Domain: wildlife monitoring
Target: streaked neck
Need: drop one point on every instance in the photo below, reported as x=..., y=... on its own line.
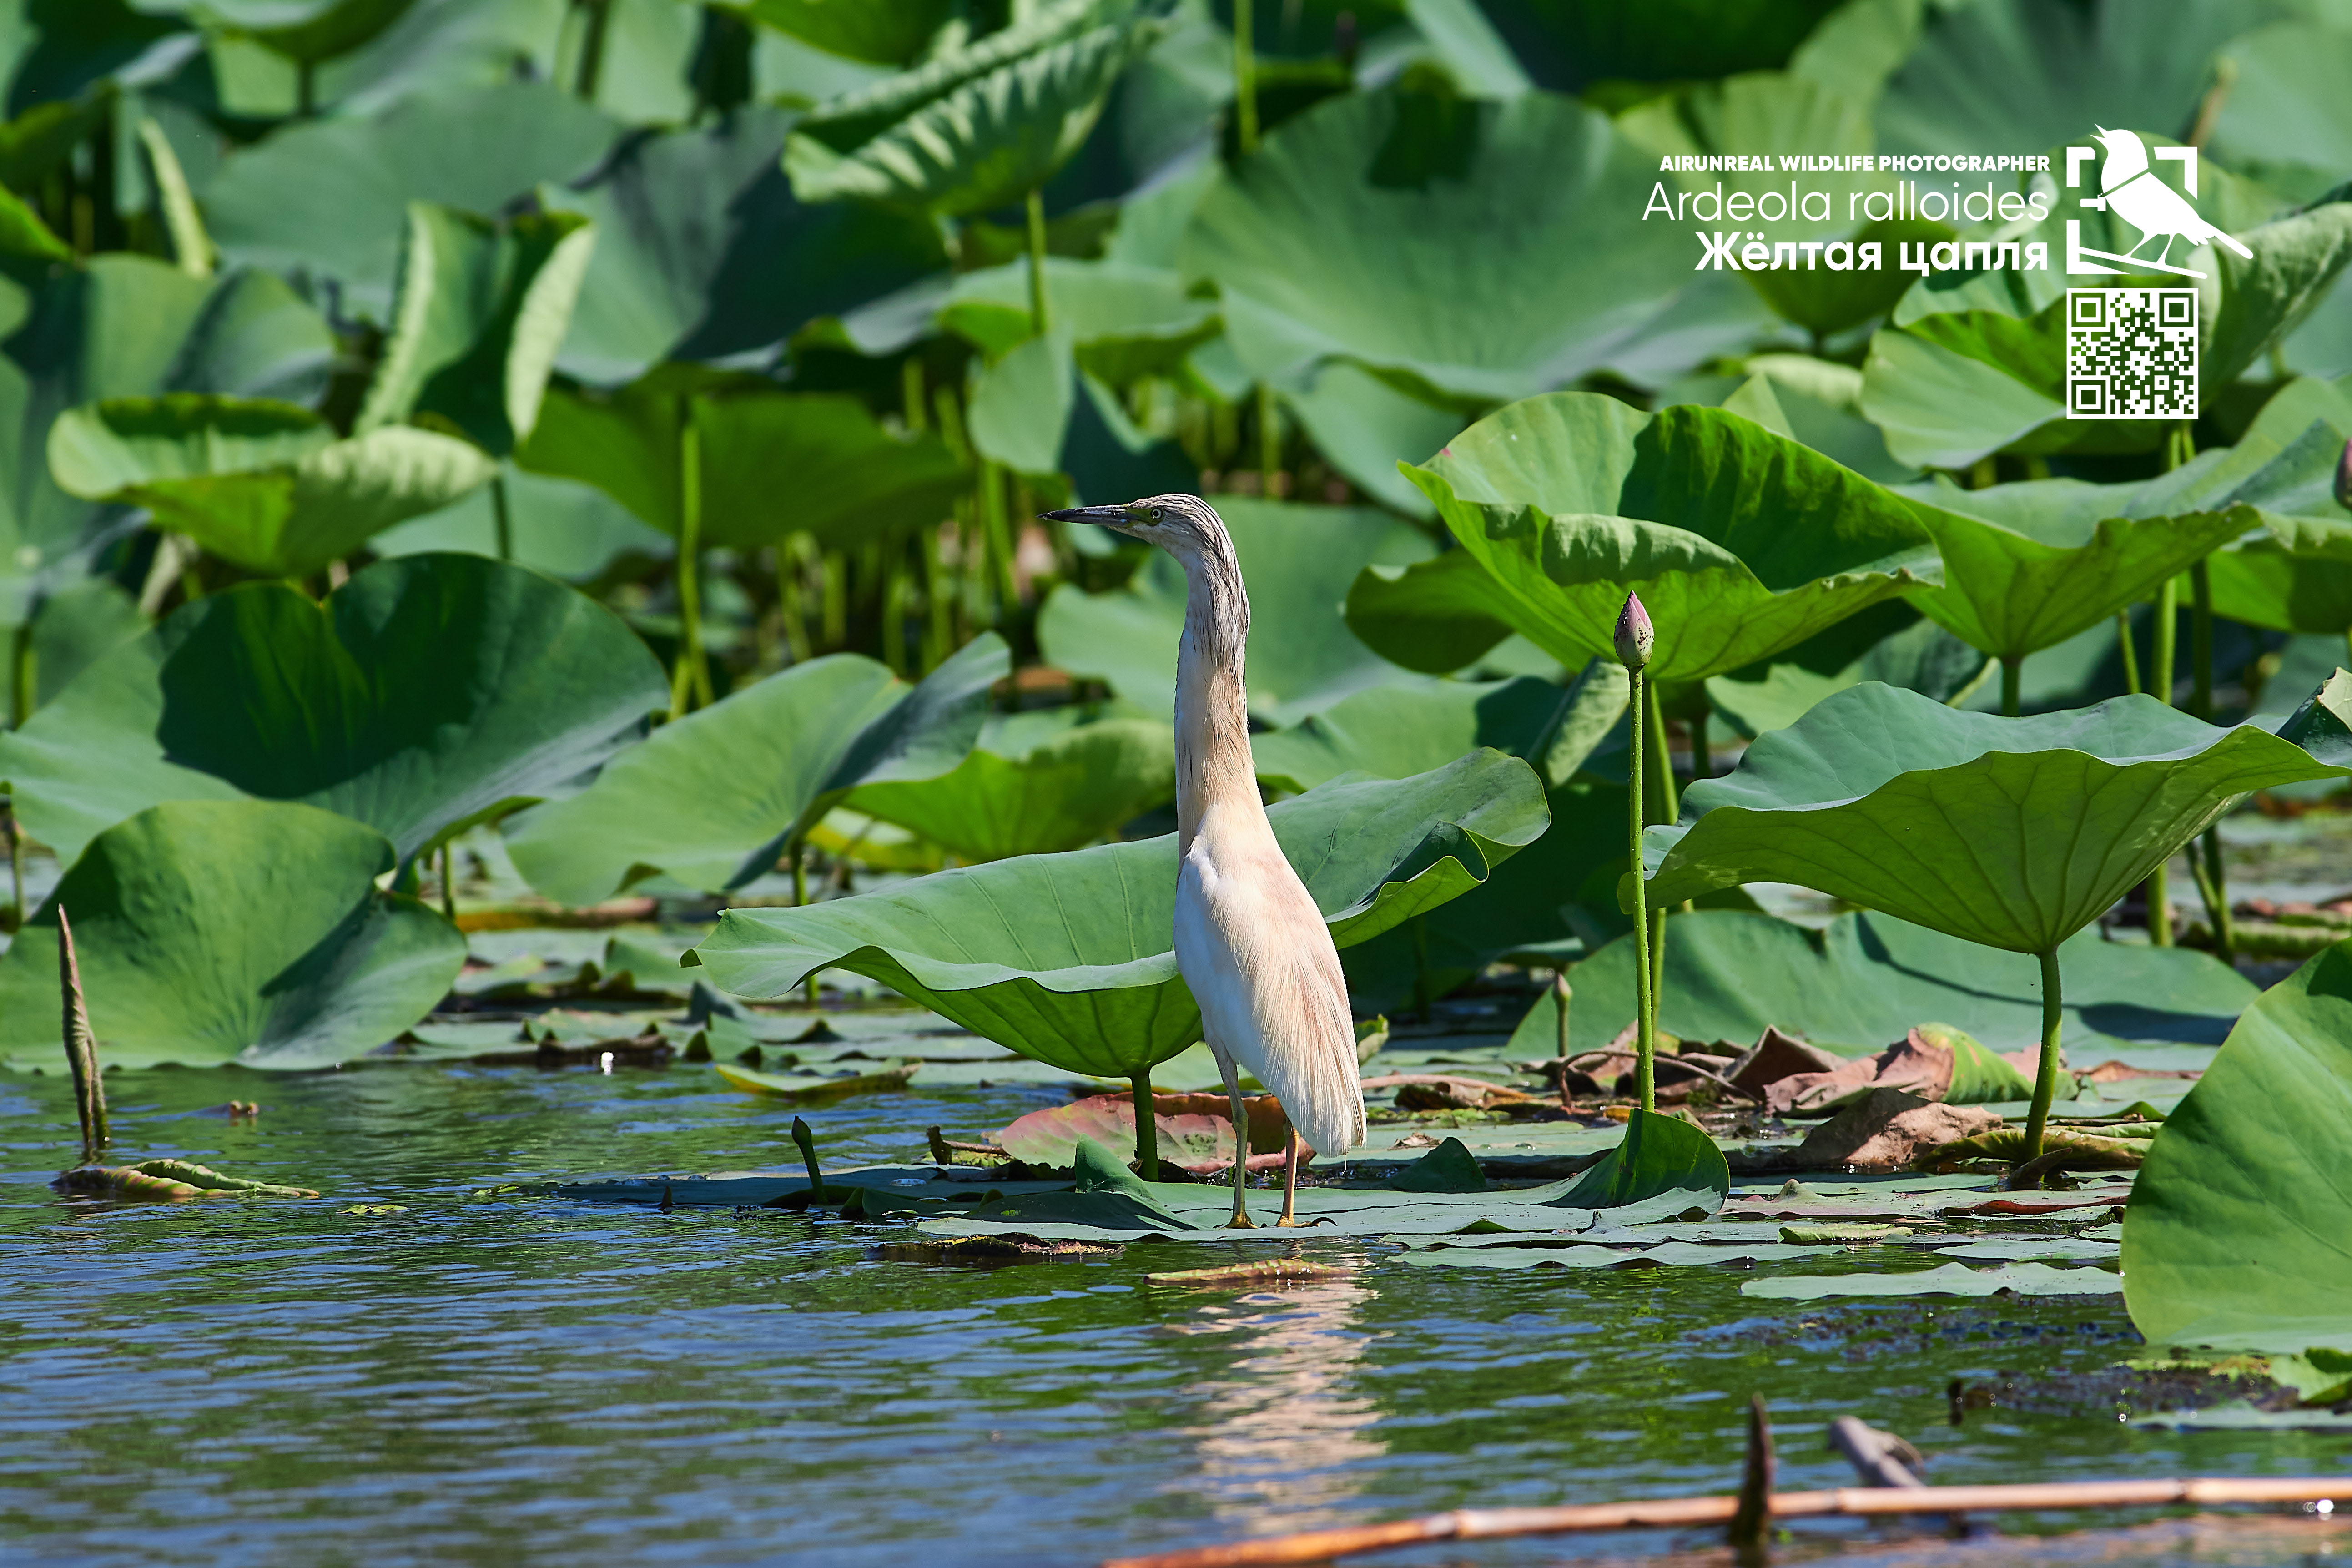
x=1213, y=749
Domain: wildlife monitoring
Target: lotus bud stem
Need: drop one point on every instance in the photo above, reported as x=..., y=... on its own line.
x=81, y=1047
x=1561, y=995
x=1645, y=1016
x=1146, y=1128
x=807, y=1141
x=1636, y=635
x=2344, y=478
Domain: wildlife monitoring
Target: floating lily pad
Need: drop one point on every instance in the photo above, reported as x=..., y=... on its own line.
x=1951, y=1280
x=1069, y=958
x=1741, y=542
x=1393, y=733
x=427, y=694
x=299, y=961
x=713, y=798
x=2234, y=1238
x=2014, y=832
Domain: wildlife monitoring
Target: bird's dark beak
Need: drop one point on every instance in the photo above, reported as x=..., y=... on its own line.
x=1106, y=516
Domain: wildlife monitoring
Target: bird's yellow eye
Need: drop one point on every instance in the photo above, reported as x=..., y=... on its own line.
x=1158, y=513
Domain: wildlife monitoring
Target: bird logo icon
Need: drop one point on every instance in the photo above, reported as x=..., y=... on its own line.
x=2129, y=188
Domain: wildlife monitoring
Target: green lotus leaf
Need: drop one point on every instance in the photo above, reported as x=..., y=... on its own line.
x=1436, y=616
x=2234, y=1237
x=1901, y=648
x=1394, y=732
x=2295, y=573
x=1125, y=320
x=886, y=32
x=703, y=253
x=1069, y=958
x=1296, y=560
x=1859, y=984
x=328, y=197
x=124, y=326
x=477, y=314
x=1474, y=251
x=2014, y=832
x=1818, y=403
x=1035, y=784
x=21, y=233
x=1020, y=407
x=229, y=930
x=562, y=527
x=304, y=31
x=1973, y=363
x=259, y=483
x=1740, y=542
x=712, y=799
x=850, y=476
x=2282, y=124
x=2322, y=725
x=424, y=695
x=1661, y=1157
x=1364, y=426
x=1568, y=46
x=977, y=127
x=2027, y=565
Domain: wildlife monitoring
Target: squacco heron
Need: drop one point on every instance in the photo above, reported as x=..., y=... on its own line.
x=1250, y=942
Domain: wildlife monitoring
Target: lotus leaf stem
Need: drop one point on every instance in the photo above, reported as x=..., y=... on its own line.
x=2130, y=649
x=2045, y=1071
x=2012, y=671
x=16, y=837
x=592, y=47
x=894, y=608
x=2212, y=881
x=1646, y=1018
x=23, y=689
x=501, y=524
x=1561, y=995
x=1245, y=82
x=1269, y=441
x=806, y=1140
x=691, y=678
x=448, y=882
x=2159, y=881
x=1147, y=1130
x=1039, y=317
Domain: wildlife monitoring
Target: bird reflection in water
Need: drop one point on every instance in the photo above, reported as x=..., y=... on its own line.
x=1281, y=1440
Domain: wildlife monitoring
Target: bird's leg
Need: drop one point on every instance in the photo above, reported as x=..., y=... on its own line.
x=1289, y=1179
x=1241, y=1220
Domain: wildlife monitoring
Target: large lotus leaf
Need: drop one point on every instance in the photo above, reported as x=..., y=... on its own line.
x=1296, y=561
x=2235, y=1236
x=1975, y=362
x=2015, y=833
x=2027, y=565
x=1861, y=983
x=1820, y=404
x=259, y=483
x=1125, y=320
x=1484, y=250
x=307, y=31
x=977, y=127
x=703, y=253
x=123, y=326
x=2282, y=122
x=889, y=32
x=326, y=197
x=425, y=695
x=713, y=798
x=1661, y=1157
x=1069, y=958
x=2295, y=573
x=229, y=930
x=1781, y=110
x=558, y=526
x=1364, y=428
x=1019, y=413
x=1394, y=733
x=2017, y=73
x=477, y=314
x=1568, y=45
x=1436, y=616
x=1035, y=784
x=1741, y=542
x=772, y=462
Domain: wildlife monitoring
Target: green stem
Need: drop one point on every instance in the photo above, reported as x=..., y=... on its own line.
x=1038, y=313
x=1269, y=442
x=1662, y=768
x=894, y=608
x=1645, y=1021
x=23, y=680
x=1561, y=994
x=1147, y=1130
x=1245, y=82
x=806, y=1140
x=692, y=676
x=2130, y=651
x=791, y=594
x=2045, y=1073
x=306, y=88
x=2159, y=881
x=501, y=524
x=81, y=1047
x=2225, y=933
x=1700, y=713
x=16, y=837
x=448, y=883
x=1657, y=964
x=1420, y=969
x=800, y=898
x=592, y=48
x=2012, y=674
x=2200, y=640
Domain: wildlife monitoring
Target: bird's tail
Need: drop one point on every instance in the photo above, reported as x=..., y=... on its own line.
x=1320, y=1089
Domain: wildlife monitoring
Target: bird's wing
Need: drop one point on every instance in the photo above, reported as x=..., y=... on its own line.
x=1260, y=961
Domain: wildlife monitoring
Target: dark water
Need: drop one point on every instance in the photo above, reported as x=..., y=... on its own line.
x=533, y=1381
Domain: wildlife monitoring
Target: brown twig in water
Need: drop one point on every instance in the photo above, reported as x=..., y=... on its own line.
x=81, y=1047
x=1671, y=1513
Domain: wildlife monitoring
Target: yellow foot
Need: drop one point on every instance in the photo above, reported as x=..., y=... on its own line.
x=1286, y=1223
x=1241, y=1221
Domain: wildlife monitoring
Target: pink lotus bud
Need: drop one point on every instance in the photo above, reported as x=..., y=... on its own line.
x=1636, y=635
x=2344, y=478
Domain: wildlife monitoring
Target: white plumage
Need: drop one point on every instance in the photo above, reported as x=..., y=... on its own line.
x=1250, y=941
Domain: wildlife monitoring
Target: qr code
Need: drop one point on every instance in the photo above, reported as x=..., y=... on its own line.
x=2131, y=353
